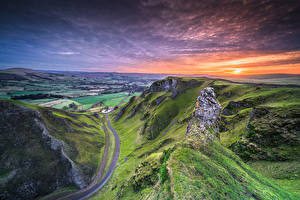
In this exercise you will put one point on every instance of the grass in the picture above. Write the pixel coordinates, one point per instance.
(81, 133)
(97, 98)
(286, 174)
(137, 148)
(85, 141)
(216, 173)
(66, 103)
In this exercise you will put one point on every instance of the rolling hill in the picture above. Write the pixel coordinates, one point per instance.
(159, 160)
(182, 138)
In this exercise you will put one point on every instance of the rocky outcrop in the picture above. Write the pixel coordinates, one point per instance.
(75, 175)
(204, 122)
(164, 85)
(169, 84)
(26, 147)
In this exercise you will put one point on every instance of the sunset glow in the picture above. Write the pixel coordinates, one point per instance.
(162, 36)
(233, 63)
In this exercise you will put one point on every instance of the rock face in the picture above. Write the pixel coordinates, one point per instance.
(58, 145)
(169, 84)
(26, 147)
(204, 122)
(165, 85)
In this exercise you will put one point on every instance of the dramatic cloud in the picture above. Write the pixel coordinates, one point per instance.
(170, 36)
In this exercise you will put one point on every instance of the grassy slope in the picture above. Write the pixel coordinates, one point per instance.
(212, 172)
(81, 133)
(136, 147)
(283, 104)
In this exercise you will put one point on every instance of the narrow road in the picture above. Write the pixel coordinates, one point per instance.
(104, 157)
(90, 191)
(94, 186)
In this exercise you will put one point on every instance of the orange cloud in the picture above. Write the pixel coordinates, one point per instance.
(224, 63)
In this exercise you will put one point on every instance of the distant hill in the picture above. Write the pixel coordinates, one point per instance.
(271, 76)
(28, 74)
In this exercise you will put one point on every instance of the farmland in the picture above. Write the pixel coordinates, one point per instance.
(72, 91)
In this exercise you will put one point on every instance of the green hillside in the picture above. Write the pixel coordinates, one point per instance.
(32, 162)
(157, 160)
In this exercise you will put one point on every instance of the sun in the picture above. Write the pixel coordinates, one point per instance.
(237, 71)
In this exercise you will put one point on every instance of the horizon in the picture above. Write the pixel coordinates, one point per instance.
(169, 75)
(216, 38)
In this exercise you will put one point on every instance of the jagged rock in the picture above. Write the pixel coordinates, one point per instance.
(164, 85)
(174, 94)
(204, 122)
(169, 84)
(55, 144)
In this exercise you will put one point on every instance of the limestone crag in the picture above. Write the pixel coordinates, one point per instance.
(204, 122)
(26, 147)
(55, 144)
(165, 85)
(169, 84)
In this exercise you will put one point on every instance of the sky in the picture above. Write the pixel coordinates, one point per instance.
(230, 37)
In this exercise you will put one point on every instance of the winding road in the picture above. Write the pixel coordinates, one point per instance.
(90, 191)
(95, 185)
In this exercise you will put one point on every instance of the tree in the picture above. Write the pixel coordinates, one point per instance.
(73, 106)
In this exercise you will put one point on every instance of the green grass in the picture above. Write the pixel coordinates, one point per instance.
(66, 103)
(108, 99)
(137, 148)
(216, 173)
(111, 102)
(286, 174)
(96, 99)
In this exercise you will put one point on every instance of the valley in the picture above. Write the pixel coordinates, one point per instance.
(71, 91)
(150, 100)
